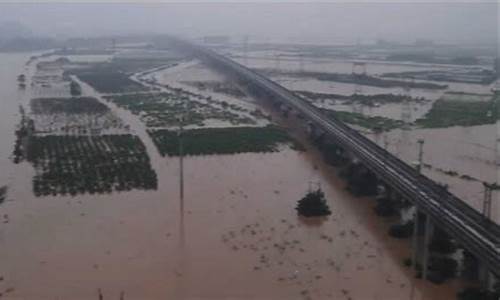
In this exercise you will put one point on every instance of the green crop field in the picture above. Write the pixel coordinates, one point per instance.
(223, 140)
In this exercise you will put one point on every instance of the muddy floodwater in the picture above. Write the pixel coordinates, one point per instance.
(470, 152)
(236, 235)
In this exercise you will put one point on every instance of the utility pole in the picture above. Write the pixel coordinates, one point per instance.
(181, 162)
(427, 240)
(420, 154)
(414, 243)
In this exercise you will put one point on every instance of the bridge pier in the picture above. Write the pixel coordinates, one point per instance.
(427, 239)
(414, 242)
(484, 277)
(332, 153)
(361, 181)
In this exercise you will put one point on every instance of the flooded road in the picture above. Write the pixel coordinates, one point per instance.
(237, 236)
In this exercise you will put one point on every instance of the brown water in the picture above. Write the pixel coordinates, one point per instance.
(237, 236)
(469, 151)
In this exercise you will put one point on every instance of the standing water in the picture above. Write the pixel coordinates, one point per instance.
(238, 236)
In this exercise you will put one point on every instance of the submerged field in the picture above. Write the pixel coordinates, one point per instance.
(109, 81)
(76, 105)
(165, 109)
(77, 146)
(114, 76)
(446, 113)
(362, 79)
(74, 116)
(223, 140)
(97, 164)
(239, 218)
(358, 119)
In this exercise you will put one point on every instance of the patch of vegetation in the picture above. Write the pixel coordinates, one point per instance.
(362, 79)
(369, 100)
(75, 105)
(447, 113)
(207, 141)
(96, 164)
(468, 177)
(108, 81)
(473, 76)
(23, 133)
(75, 115)
(431, 57)
(313, 204)
(462, 93)
(3, 194)
(165, 109)
(218, 87)
(373, 123)
(450, 173)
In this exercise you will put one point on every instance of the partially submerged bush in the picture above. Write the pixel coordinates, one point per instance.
(313, 205)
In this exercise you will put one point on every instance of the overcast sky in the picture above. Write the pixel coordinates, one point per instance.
(284, 21)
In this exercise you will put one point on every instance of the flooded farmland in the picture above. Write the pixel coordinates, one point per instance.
(250, 150)
(237, 235)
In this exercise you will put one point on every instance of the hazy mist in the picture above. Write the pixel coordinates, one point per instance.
(287, 22)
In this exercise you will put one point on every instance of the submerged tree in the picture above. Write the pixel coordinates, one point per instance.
(313, 204)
